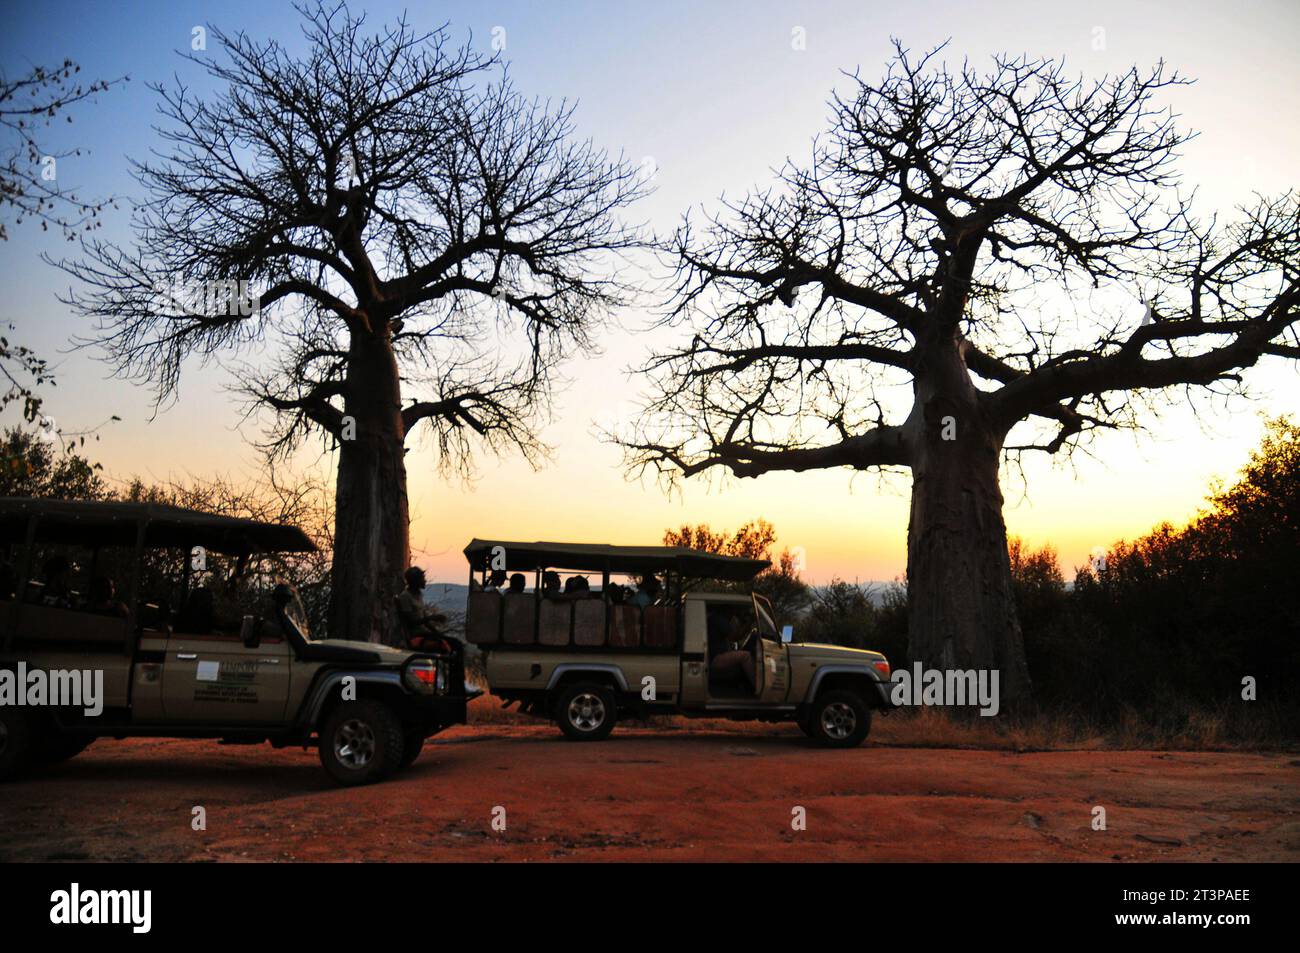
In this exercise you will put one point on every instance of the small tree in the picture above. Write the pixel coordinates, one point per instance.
(780, 583)
(754, 540)
(840, 613)
(421, 246)
(32, 464)
(965, 255)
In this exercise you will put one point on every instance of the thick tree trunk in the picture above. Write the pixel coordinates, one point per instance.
(961, 610)
(371, 525)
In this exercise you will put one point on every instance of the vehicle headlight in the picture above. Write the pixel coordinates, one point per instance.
(424, 675)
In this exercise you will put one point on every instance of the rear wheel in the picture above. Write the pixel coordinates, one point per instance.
(15, 743)
(839, 719)
(586, 711)
(361, 742)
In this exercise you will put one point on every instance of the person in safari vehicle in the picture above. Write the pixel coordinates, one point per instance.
(422, 626)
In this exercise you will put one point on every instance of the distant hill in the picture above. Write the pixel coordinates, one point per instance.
(447, 596)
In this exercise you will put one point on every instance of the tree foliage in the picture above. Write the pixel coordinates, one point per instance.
(780, 583)
(33, 464)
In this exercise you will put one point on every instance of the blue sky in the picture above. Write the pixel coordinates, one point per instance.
(715, 95)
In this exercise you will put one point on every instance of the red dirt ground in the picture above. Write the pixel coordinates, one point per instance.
(655, 794)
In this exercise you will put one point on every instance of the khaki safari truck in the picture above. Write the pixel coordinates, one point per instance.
(174, 658)
(585, 656)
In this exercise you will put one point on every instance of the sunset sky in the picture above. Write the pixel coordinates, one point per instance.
(716, 96)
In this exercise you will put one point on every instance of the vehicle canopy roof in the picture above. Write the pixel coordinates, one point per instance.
(114, 523)
(599, 557)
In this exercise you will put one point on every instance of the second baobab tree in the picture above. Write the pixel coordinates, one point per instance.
(971, 266)
(421, 247)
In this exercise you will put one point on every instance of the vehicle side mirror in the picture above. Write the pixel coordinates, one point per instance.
(787, 633)
(249, 633)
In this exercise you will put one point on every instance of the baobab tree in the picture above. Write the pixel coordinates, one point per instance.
(971, 266)
(421, 246)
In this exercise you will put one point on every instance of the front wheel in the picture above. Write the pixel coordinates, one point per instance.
(412, 745)
(586, 712)
(361, 742)
(839, 719)
(55, 748)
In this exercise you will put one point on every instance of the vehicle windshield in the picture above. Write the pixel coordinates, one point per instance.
(297, 614)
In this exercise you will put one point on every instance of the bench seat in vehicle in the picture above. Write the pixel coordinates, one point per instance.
(625, 626)
(519, 623)
(589, 622)
(554, 621)
(483, 619)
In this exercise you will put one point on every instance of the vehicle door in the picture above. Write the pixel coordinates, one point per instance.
(694, 655)
(771, 662)
(214, 677)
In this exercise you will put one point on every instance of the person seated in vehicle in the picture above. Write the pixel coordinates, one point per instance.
(420, 624)
(551, 585)
(493, 583)
(577, 587)
(101, 598)
(729, 638)
(57, 590)
(647, 591)
(617, 594)
(517, 582)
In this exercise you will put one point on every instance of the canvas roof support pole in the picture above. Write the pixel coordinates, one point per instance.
(604, 595)
(187, 566)
(137, 573)
(537, 607)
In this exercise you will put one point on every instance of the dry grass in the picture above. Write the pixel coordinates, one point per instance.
(1178, 728)
(1175, 729)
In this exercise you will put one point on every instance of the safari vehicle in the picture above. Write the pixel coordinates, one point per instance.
(586, 658)
(367, 707)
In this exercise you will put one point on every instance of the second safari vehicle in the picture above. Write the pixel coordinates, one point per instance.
(687, 637)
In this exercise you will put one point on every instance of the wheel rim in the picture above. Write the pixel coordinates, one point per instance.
(354, 745)
(839, 720)
(586, 711)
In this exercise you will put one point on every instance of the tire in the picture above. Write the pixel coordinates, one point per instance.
(586, 711)
(361, 742)
(839, 718)
(55, 748)
(412, 745)
(15, 743)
